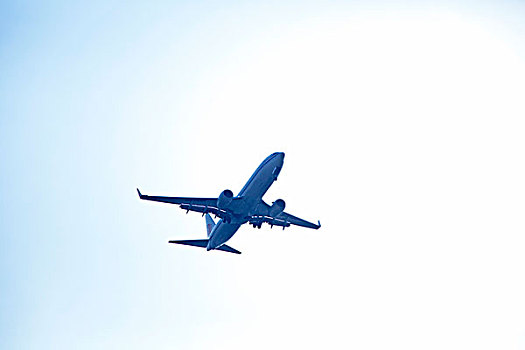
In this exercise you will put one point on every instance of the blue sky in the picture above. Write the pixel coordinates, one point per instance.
(403, 129)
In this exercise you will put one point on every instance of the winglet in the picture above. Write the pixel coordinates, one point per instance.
(140, 194)
(319, 223)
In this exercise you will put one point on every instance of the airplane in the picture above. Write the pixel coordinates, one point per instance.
(234, 211)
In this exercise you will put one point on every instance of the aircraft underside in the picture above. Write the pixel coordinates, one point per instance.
(234, 211)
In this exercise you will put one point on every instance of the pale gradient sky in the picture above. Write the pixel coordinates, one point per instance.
(403, 125)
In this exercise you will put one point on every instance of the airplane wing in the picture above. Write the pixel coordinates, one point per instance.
(283, 219)
(200, 205)
(294, 220)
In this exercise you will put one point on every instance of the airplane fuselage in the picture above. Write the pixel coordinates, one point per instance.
(248, 199)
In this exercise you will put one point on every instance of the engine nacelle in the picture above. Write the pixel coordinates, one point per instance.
(225, 199)
(277, 208)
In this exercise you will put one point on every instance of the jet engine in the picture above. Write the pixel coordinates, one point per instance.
(225, 199)
(277, 208)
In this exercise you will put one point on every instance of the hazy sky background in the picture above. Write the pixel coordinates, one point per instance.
(403, 127)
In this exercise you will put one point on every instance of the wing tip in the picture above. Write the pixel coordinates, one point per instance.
(140, 194)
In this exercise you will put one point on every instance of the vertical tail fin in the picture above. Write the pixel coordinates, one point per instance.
(210, 224)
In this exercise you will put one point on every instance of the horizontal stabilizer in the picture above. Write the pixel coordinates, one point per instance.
(227, 248)
(203, 243)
